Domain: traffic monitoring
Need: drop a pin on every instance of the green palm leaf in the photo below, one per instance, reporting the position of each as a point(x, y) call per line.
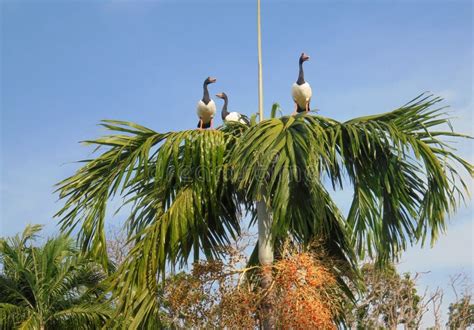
point(405, 177)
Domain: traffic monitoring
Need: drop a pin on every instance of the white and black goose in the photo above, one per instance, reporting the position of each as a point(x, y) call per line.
point(231, 116)
point(206, 108)
point(301, 90)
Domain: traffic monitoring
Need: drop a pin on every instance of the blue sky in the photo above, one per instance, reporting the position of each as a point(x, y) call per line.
point(65, 65)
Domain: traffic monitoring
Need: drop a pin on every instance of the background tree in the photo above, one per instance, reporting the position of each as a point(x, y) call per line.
point(49, 287)
point(461, 311)
point(391, 300)
point(188, 189)
point(220, 295)
point(388, 301)
point(118, 245)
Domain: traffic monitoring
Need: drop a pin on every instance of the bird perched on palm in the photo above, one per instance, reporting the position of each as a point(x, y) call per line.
point(231, 116)
point(301, 90)
point(206, 108)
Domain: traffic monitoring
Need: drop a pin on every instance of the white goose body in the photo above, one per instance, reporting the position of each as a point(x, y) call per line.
point(235, 116)
point(301, 94)
point(206, 111)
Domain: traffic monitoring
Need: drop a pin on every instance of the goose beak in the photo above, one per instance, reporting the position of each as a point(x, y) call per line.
point(305, 57)
point(212, 80)
point(220, 95)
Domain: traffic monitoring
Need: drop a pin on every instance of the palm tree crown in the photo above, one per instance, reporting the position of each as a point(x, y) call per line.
point(49, 287)
point(187, 189)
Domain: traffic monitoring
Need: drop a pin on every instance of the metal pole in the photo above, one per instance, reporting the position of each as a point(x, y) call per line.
point(260, 78)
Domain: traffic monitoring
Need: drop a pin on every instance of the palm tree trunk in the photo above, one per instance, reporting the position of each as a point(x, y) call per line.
point(265, 257)
point(265, 245)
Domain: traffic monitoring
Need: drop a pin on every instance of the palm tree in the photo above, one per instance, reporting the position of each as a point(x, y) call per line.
point(49, 287)
point(187, 189)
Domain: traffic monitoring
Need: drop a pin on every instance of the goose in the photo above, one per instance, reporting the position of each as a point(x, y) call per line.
point(301, 90)
point(206, 108)
point(231, 116)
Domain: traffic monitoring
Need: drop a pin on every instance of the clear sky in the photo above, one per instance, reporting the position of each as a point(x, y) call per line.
point(65, 65)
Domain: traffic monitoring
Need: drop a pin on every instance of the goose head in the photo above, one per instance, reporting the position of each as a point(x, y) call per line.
point(222, 96)
point(303, 58)
point(209, 80)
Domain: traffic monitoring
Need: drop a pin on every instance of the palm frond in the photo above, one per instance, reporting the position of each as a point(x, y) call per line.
point(405, 176)
point(11, 315)
point(90, 316)
point(187, 205)
point(87, 191)
point(283, 160)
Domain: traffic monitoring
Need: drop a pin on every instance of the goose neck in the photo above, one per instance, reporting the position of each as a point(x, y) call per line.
point(224, 107)
point(205, 96)
point(300, 80)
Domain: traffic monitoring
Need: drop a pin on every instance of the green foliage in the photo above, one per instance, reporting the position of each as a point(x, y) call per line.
point(284, 158)
point(187, 189)
point(275, 107)
point(49, 287)
point(461, 313)
point(387, 301)
point(405, 175)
